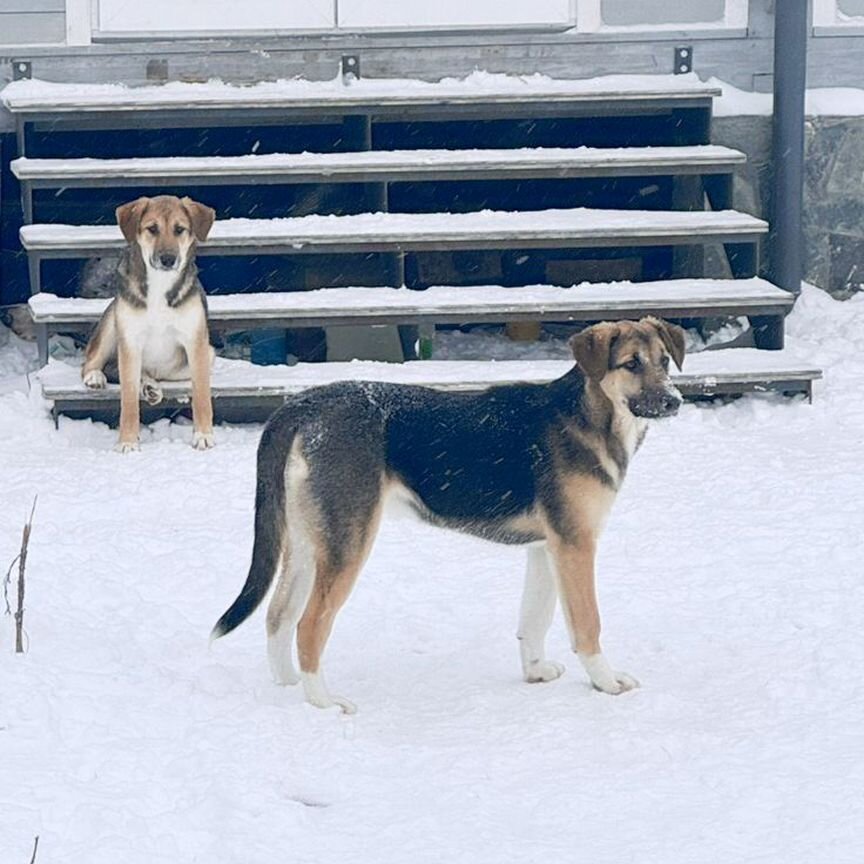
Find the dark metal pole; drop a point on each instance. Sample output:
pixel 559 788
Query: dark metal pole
pixel 790 75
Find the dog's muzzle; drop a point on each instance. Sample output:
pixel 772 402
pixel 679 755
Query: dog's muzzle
pixel 164 261
pixel 653 404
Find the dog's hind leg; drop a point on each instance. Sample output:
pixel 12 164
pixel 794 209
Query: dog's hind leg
pixel 334 579
pixel 538 607
pixel 151 392
pixel 289 602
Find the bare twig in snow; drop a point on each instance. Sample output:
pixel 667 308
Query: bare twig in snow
pixel 36 841
pixel 21 560
pixel 7 581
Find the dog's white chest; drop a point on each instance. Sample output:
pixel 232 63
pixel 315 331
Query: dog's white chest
pixel 630 431
pixel 163 331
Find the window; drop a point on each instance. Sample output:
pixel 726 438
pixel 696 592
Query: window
pixel 838 13
pixel 623 15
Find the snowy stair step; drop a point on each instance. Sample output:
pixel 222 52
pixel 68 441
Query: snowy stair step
pixel 417 232
pixel 382 166
pixel 680 298
pixel 479 94
pixel 709 373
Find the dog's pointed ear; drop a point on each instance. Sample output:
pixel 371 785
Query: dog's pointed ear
pixel 129 217
pixel 201 216
pixel 592 349
pixel 673 338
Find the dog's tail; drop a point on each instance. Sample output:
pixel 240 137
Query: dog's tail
pixel 270 527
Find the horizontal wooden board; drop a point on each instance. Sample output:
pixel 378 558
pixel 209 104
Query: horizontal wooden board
pixel 394 232
pixel 722 372
pixel 398 165
pixel 369 95
pixel 447 304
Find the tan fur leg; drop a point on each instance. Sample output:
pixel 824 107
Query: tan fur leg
pixel 574 565
pixel 329 593
pixel 200 361
pixel 101 348
pixel 129 362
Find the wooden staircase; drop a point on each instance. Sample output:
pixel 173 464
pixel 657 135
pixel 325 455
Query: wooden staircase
pixel 697 171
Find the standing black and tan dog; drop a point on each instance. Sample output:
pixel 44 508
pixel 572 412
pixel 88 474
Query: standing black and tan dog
pixel 519 464
pixel 156 327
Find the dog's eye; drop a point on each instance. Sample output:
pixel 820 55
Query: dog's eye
pixel 178 230
pixel 153 229
pixel 632 364
pixel 664 362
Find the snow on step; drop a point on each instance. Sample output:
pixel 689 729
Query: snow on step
pixel 417 231
pixel 394 164
pixel 588 301
pixel 36 96
pixel 731 370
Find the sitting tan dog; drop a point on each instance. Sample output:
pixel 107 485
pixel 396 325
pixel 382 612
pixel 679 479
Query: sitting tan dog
pixel 156 328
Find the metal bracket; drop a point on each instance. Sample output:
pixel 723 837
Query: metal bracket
pixel 22 70
pixel 157 70
pixel 350 66
pixel 683 59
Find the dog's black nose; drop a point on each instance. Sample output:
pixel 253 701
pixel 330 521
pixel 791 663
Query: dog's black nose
pixel 670 403
pixel 166 259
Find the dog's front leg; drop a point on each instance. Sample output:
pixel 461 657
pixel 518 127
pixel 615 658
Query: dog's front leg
pixel 574 565
pixel 101 347
pixel 129 365
pixel 538 608
pixel 200 359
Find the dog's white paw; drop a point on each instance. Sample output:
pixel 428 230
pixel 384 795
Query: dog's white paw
pixel 346 705
pixel 203 440
pixel 286 677
pixel 543 670
pixel 621 683
pixel 127 446
pixel 603 677
pixel 317 694
pixel 151 392
pixel 282 670
pixel 95 379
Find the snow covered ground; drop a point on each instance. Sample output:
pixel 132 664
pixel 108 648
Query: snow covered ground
pixel 731 585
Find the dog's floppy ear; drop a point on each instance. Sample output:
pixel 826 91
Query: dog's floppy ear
pixel 592 349
pixel 129 217
pixel 201 216
pixel 673 338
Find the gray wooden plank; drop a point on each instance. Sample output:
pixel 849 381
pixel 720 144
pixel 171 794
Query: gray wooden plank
pixel 399 165
pixel 393 232
pixel 444 304
pixel 370 95
pixel 727 371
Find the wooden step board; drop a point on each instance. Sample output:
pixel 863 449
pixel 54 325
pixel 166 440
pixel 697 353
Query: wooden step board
pixel 681 298
pixel 418 232
pixel 383 166
pixel 242 391
pixel 480 95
